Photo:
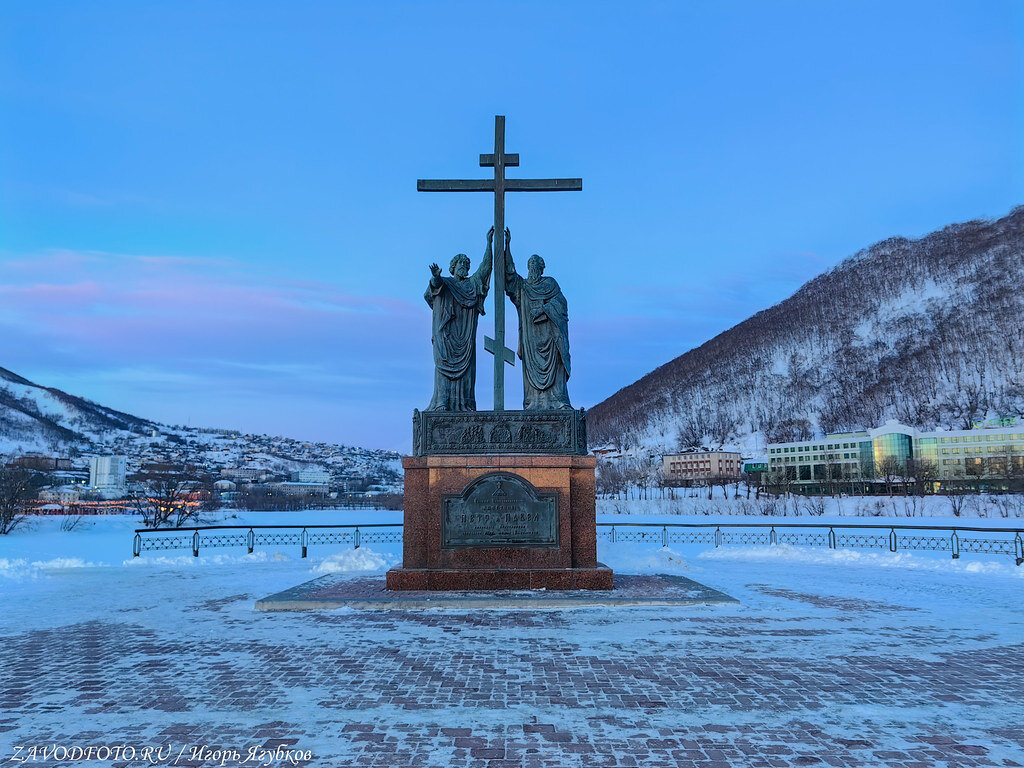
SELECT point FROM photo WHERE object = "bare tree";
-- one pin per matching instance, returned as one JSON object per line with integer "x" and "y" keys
{"x": 780, "y": 481}
{"x": 720, "y": 480}
{"x": 754, "y": 480}
{"x": 833, "y": 472}
{"x": 974, "y": 467}
{"x": 925, "y": 474}
{"x": 1010, "y": 467}
{"x": 867, "y": 470}
{"x": 163, "y": 496}
{"x": 814, "y": 506}
{"x": 891, "y": 470}
{"x": 956, "y": 503}
{"x": 610, "y": 478}
{"x": 16, "y": 488}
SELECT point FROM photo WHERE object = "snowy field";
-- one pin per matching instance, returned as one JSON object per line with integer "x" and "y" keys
{"x": 902, "y": 509}
{"x": 840, "y": 657}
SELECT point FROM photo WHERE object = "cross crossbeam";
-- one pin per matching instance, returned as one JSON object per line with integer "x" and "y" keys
{"x": 499, "y": 185}
{"x": 511, "y": 185}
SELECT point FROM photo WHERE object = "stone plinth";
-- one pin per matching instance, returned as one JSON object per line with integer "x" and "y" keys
{"x": 442, "y": 553}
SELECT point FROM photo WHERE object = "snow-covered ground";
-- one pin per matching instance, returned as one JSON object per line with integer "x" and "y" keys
{"x": 40, "y": 545}
{"x": 978, "y": 507}
{"x": 880, "y": 658}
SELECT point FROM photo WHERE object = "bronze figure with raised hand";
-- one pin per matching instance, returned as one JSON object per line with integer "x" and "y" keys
{"x": 543, "y": 333}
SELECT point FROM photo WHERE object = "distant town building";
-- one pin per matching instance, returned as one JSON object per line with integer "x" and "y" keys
{"x": 107, "y": 472}
{"x": 224, "y": 485}
{"x": 164, "y": 468}
{"x": 756, "y": 469}
{"x": 245, "y": 474}
{"x": 65, "y": 494}
{"x": 984, "y": 458}
{"x": 41, "y": 463}
{"x": 302, "y": 489}
{"x": 71, "y": 476}
{"x": 349, "y": 482}
{"x": 700, "y": 466}
{"x": 312, "y": 476}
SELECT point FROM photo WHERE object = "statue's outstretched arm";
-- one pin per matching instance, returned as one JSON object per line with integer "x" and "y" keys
{"x": 484, "y": 270}
{"x": 510, "y": 266}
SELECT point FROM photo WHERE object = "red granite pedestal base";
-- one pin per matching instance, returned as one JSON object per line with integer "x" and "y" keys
{"x": 571, "y": 564}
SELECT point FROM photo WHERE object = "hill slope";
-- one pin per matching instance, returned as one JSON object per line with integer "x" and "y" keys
{"x": 41, "y": 419}
{"x": 928, "y": 331}
{"x": 33, "y": 417}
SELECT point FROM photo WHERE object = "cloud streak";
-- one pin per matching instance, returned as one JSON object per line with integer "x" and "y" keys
{"x": 214, "y": 342}
{"x": 196, "y": 332}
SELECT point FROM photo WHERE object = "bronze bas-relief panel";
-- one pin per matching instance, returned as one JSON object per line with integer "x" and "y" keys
{"x": 499, "y": 511}
{"x": 499, "y": 432}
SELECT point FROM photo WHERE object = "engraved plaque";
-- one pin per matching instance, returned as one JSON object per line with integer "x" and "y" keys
{"x": 499, "y": 510}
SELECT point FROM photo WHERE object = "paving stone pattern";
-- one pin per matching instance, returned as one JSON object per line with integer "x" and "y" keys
{"x": 816, "y": 684}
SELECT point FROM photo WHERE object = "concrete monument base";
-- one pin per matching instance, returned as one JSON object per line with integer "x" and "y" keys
{"x": 476, "y": 579}
{"x": 499, "y": 522}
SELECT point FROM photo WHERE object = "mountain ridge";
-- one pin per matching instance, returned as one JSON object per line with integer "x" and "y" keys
{"x": 867, "y": 340}
{"x": 35, "y": 417}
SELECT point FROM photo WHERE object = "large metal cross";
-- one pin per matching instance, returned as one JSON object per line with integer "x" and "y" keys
{"x": 499, "y": 185}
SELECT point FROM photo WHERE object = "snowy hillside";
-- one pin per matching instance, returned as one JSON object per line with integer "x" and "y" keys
{"x": 925, "y": 331}
{"x": 37, "y": 419}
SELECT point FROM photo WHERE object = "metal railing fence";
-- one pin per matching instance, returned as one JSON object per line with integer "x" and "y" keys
{"x": 251, "y": 536}
{"x": 952, "y": 539}
{"x": 942, "y": 538}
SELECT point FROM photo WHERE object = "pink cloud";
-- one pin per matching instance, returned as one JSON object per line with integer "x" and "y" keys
{"x": 57, "y": 297}
{"x": 168, "y": 310}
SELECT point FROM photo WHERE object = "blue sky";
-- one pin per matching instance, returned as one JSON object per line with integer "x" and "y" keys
{"x": 208, "y": 210}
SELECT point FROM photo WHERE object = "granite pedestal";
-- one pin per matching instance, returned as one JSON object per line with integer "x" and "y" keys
{"x": 543, "y": 537}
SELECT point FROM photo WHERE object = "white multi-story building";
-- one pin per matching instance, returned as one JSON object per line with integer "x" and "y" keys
{"x": 991, "y": 456}
{"x": 106, "y": 473}
{"x": 312, "y": 476}
{"x": 302, "y": 489}
{"x": 245, "y": 474}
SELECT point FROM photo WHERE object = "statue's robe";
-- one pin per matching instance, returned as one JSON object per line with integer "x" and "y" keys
{"x": 457, "y": 304}
{"x": 543, "y": 340}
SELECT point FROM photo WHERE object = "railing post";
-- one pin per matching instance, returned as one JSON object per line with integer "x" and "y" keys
{"x": 773, "y": 537}
{"x": 954, "y": 545}
{"x": 664, "y": 535}
{"x": 250, "y": 541}
{"x": 831, "y": 538}
{"x": 1018, "y": 548}
{"x": 355, "y": 538}
{"x": 718, "y": 537}
{"x": 195, "y": 544}
{"x": 892, "y": 539}
{"x": 137, "y": 545}
{"x": 613, "y": 534}
{"x": 304, "y": 540}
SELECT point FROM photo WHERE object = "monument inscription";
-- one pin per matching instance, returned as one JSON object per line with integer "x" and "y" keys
{"x": 499, "y": 510}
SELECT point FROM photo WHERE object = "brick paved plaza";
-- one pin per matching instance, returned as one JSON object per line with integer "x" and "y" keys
{"x": 918, "y": 669}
